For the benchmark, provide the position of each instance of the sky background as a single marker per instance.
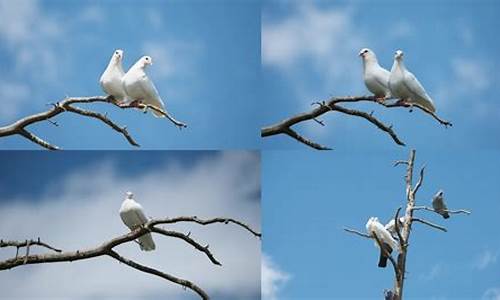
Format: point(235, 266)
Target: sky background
point(309, 256)
point(206, 62)
point(71, 201)
point(309, 53)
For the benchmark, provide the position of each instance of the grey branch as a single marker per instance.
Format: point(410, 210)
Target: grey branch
point(356, 232)
point(430, 224)
point(284, 127)
point(68, 105)
point(27, 243)
point(106, 249)
point(457, 211)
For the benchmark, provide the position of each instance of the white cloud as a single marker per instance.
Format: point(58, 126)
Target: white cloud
point(315, 39)
point(472, 73)
point(171, 57)
point(273, 278)
point(492, 294)
point(401, 29)
point(313, 33)
point(29, 34)
point(485, 259)
point(469, 77)
point(433, 273)
point(13, 95)
point(31, 40)
point(82, 211)
point(154, 18)
point(92, 14)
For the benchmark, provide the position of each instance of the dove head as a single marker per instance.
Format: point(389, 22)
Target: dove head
point(145, 61)
point(399, 55)
point(367, 54)
point(130, 195)
point(118, 55)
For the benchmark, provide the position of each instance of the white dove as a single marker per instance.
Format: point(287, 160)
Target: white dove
point(376, 78)
point(140, 88)
point(373, 226)
point(111, 78)
point(405, 86)
point(439, 205)
point(133, 216)
point(391, 226)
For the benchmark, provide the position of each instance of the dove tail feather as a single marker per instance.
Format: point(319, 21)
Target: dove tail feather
point(146, 242)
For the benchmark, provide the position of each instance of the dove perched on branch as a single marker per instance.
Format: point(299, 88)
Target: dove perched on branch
point(391, 226)
point(140, 88)
point(374, 227)
point(404, 85)
point(439, 205)
point(133, 216)
point(111, 78)
point(376, 78)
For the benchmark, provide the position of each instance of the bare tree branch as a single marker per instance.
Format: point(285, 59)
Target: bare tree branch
point(419, 182)
point(430, 224)
point(185, 283)
point(404, 232)
point(284, 127)
point(20, 244)
point(365, 235)
point(458, 211)
point(106, 249)
point(67, 105)
point(402, 242)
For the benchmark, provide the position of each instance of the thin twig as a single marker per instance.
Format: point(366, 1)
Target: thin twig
point(185, 283)
point(430, 224)
point(457, 211)
point(362, 234)
point(18, 244)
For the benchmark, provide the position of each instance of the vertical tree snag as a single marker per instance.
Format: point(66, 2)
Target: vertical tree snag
point(403, 230)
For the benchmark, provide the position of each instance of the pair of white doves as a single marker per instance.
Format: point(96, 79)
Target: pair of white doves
point(399, 83)
point(132, 87)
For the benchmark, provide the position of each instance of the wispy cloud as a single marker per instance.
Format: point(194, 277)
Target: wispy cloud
point(434, 272)
point(485, 259)
point(471, 73)
point(82, 211)
point(273, 278)
point(492, 294)
point(320, 37)
point(14, 95)
point(30, 38)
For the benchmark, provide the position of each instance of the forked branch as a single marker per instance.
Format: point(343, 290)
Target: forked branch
point(403, 228)
point(107, 249)
point(68, 105)
point(284, 127)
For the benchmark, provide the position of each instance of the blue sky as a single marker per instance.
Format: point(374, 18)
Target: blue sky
point(310, 52)
point(71, 200)
point(309, 197)
point(206, 66)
